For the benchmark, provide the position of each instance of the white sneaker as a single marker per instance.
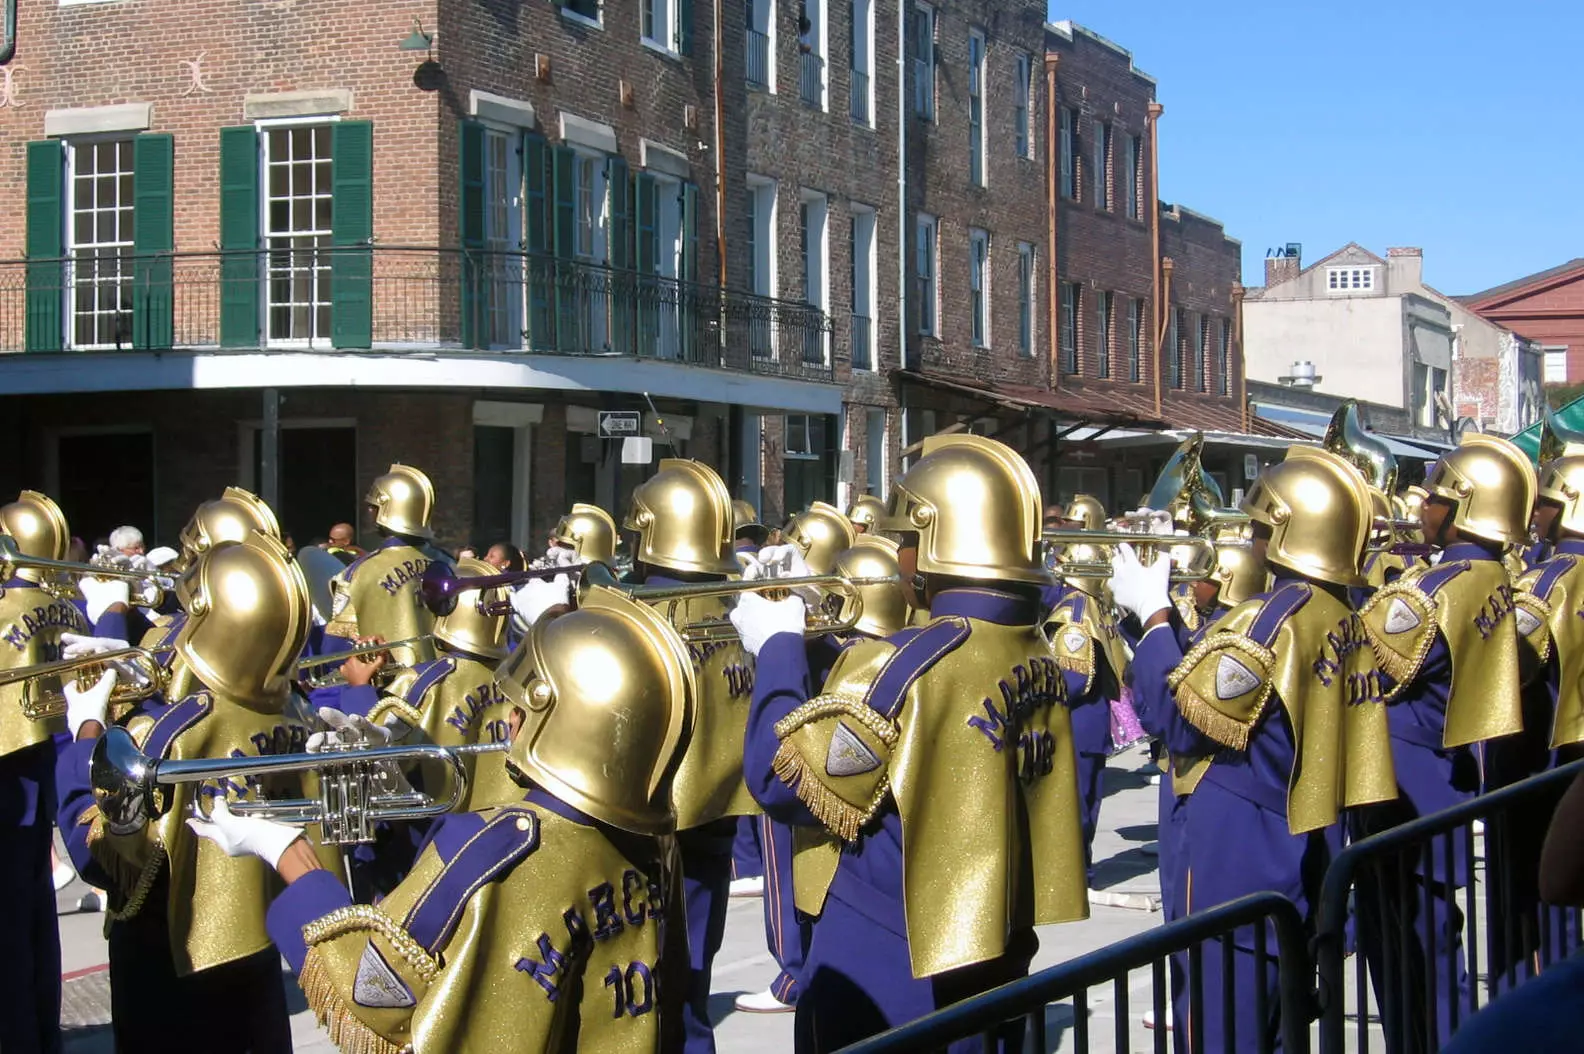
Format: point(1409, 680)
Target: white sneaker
point(748, 887)
point(91, 901)
point(763, 1002)
point(1149, 1019)
point(1154, 781)
point(63, 875)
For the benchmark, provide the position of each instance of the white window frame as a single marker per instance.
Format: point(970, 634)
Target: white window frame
point(121, 261)
point(263, 129)
point(762, 339)
point(504, 195)
point(979, 286)
point(1026, 282)
point(865, 228)
point(1137, 321)
point(1135, 208)
point(669, 238)
point(816, 256)
point(788, 430)
point(863, 53)
point(876, 447)
point(596, 22)
point(1554, 363)
point(1022, 110)
point(926, 251)
point(762, 19)
point(665, 16)
point(1342, 281)
point(978, 63)
point(923, 61)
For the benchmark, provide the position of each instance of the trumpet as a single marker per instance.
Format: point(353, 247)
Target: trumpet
point(41, 703)
point(823, 618)
point(151, 587)
point(127, 785)
point(1199, 566)
point(334, 677)
point(439, 589)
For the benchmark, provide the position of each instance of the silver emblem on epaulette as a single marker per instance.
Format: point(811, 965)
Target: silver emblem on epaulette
point(1073, 640)
point(1527, 621)
point(377, 985)
point(1233, 679)
point(1400, 617)
point(849, 755)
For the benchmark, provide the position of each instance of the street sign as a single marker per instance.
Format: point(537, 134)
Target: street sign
point(619, 424)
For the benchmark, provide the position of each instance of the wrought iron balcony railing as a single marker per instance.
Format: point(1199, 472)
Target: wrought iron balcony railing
point(400, 298)
point(758, 60)
point(811, 79)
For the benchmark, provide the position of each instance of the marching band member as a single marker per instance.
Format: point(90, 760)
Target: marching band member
point(819, 534)
point(748, 533)
point(1447, 641)
point(546, 922)
point(187, 936)
point(683, 518)
point(865, 511)
point(747, 870)
point(32, 622)
point(377, 595)
point(1549, 597)
point(908, 740)
point(1272, 718)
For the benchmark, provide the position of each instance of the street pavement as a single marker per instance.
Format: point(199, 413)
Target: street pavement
point(1126, 902)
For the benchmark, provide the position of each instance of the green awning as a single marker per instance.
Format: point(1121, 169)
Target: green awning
point(1570, 417)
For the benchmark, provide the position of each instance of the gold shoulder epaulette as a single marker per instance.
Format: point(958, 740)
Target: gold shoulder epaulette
point(1400, 622)
point(1223, 685)
point(1073, 645)
point(835, 753)
point(1532, 611)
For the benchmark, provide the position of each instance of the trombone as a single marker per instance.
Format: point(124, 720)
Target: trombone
point(151, 587)
point(148, 677)
point(353, 793)
point(1199, 566)
point(334, 677)
point(670, 599)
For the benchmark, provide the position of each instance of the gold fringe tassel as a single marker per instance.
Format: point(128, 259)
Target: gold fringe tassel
point(1227, 731)
point(127, 880)
point(347, 1032)
point(840, 817)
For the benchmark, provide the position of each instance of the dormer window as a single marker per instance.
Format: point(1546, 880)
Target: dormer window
point(1350, 279)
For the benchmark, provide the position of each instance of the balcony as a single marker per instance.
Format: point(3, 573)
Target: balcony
point(862, 347)
point(858, 97)
point(758, 60)
point(401, 299)
point(811, 79)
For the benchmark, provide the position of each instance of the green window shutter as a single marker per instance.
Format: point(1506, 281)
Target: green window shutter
point(618, 178)
point(540, 272)
point(564, 233)
point(475, 291)
point(684, 40)
point(240, 284)
point(689, 295)
point(647, 245)
point(46, 244)
point(352, 234)
point(153, 240)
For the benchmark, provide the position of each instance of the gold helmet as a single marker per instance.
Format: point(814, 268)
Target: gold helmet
point(1236, 571)
point(975, 506)
point(1557, 439)
point(865, 512)
point(228, 518)
point(885, 607)
point(607, 697)
point(247, 619)
point(468, 628)
point(1492, 484)
point(683, 516)
point(403, 500)
point(39, 528)
point(589, 531)
point(744, 515)
point(1086, 553)
point(1347, 437)
point(1317, 507)
point(821, 533)
point(1086, 510)
point(1562, 481)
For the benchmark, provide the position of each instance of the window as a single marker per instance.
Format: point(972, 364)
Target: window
point(667, 24)
point(807, 465)
point(1350, 279)
point(875, 439)
point(976, 92)
point(1070, 298)
point(1423, 406)
point(924, 61)
point(1174, 364)
point(863, 280)
point(1020, 105)
point(587, 10)
point(99, 238)
point(503, 237)
point(759, 71)
point(1025, 298)
point(1224, 357)
point(860, 88)
point(1133, 191)
point(1135, 335)
point(1555, 367)
point(1069, 152)
point(928, 292)
point(1103, 332)
point(1202, 354)
point(979, 285)
point(297, 213)
point(761, 260)
point(811, 52)
point(816, 259)
point(589, 207)
point(1102, 165)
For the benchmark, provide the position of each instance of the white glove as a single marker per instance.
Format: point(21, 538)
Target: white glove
point(1142, 589)
point(244, 835)
point(78, 645)
point(1157, 520)
point(561, 556)
point(349, 732)
point(88, 704)
point(752, 569)
point(783, 561)
point(100, 593)
point(758, 619)
point(539, 595)
point(161, 556)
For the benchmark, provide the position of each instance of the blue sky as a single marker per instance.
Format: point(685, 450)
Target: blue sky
point(1445, 124)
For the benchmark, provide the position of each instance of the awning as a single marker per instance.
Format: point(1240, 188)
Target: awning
point(1023, 398)
point(1398, 445)
point(1123, 439)
point(1315, 422)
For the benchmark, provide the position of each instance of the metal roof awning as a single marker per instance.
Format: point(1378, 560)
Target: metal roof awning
point(1315, 422)
point(1124, 439)
point(1023, 399)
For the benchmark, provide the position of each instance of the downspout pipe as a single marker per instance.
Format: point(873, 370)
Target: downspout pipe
point(1152, 118)
point(1053, 194)
point(1237, 352)
point(720, 146)
point(8, 45)
point(902, 220)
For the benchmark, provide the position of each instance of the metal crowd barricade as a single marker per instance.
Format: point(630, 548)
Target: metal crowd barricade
point(1376, 883)
point(986, 1015)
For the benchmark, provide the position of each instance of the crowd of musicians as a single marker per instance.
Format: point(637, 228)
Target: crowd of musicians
point(478, 810)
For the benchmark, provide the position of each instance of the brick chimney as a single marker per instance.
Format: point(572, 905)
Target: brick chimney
point(1282, 268)
point(1404, 269)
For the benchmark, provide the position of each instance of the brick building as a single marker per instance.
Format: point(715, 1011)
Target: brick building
point(284, 245)
point(1547, 308)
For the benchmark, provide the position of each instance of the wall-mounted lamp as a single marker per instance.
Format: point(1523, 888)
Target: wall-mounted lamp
point(418, 40)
